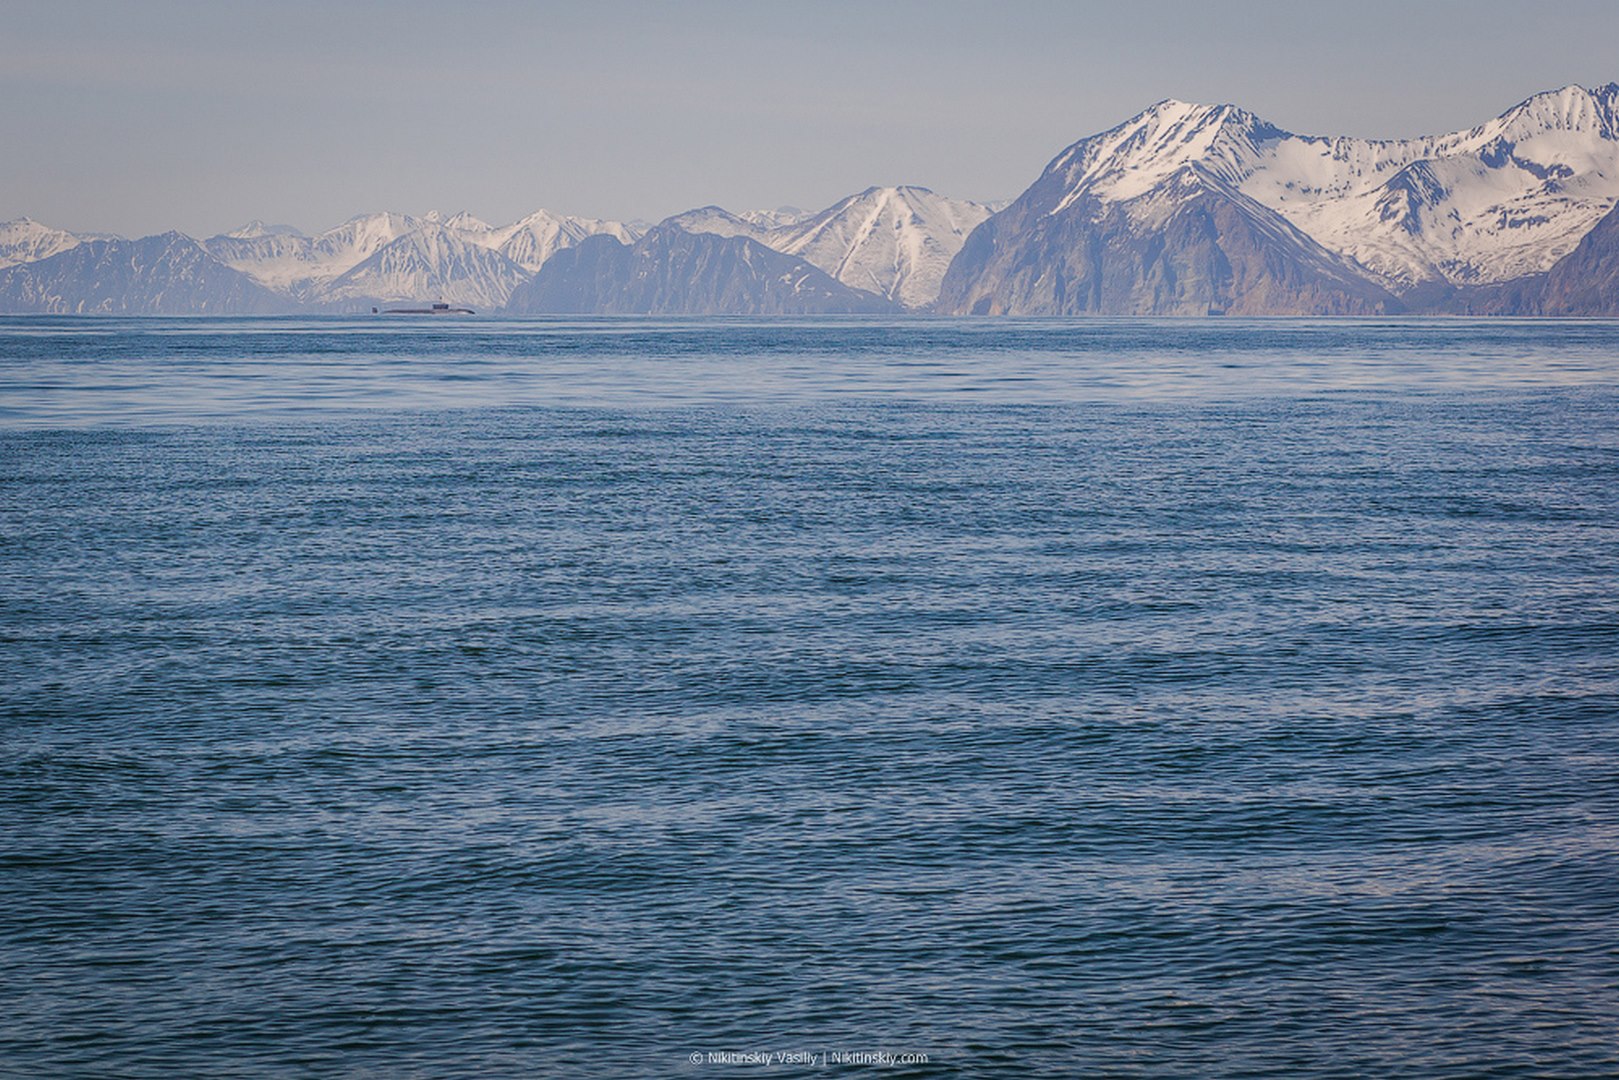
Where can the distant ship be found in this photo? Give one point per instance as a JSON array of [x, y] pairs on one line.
[[436, 309]]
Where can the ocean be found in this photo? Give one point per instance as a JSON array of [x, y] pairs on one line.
[[697, 698]]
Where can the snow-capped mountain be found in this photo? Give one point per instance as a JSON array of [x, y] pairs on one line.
[[433, 262], [1183, 209], [1190, 245], [168, 274], [302, 266], [717, 221], [775, 219], [308, 268], [24, 241], [534, 239], [461, 221], [893, 241], [363, 235], [673, 271], [1586, 280], [1497, 202], [256, 228]]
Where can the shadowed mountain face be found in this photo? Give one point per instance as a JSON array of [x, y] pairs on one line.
[[169, 274], [1193, 246], [1586, 280], [670, 271]]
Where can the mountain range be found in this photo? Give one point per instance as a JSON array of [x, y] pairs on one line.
[[1183, 209], [1193, 209]]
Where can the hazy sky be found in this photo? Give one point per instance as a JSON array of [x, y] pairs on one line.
[[200, 114]]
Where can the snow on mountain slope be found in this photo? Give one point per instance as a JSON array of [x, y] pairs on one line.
[[280, 261], [300, 266], [1190, 245], [430, 263], [304, 266], [775, 219], [719, 222], [25, 241], [169, 274], [363, 235], [673, 271], [894, 241], [534, 239], [1499, 201], [1586, 280], [256, 228], [462, 220]]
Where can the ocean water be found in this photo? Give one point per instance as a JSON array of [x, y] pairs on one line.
[[620, 698]]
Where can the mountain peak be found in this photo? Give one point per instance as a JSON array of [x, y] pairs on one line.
[[894, 191], [256, 228], [894, 241], [1175, 106], [1191, 115], [713, 219], [780, 217], [164, 274], [432, 261], [1133, 158], [1569, 108], [465, 222], [541, 234], [26, 240], [1500, 201]]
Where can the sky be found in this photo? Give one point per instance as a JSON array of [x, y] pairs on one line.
[[141, 117]]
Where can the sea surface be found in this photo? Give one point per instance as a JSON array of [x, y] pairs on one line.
[[650, 698]]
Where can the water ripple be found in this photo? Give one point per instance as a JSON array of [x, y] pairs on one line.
[[1227, 729]]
